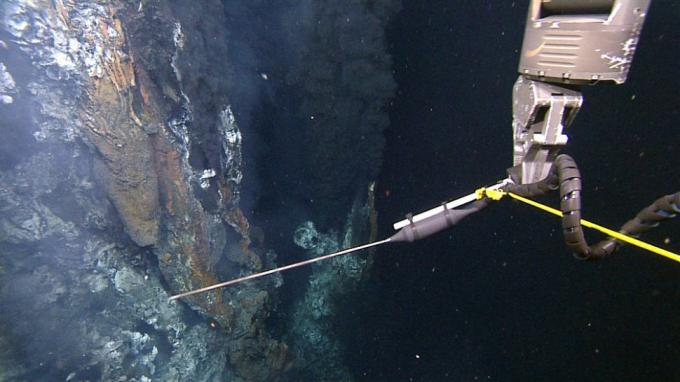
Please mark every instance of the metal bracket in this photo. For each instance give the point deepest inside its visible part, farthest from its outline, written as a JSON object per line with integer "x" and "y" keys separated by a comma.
{"x": 541, "y": 112}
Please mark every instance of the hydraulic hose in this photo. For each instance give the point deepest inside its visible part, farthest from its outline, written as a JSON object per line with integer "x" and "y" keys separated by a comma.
{"x": 566, "y": 176}
{"x": 664, "y": 208}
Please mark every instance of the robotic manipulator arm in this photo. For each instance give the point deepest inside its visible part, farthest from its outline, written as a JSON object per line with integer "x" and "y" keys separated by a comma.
{"x": 567, "y": 44}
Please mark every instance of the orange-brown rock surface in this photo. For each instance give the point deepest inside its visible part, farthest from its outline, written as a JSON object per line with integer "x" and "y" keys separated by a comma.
{"x": 124, "y": 164}
{"x": 143, "y": 166}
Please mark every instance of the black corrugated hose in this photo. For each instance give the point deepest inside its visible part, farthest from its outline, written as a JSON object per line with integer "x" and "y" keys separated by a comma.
{"x": 566, "y": 176}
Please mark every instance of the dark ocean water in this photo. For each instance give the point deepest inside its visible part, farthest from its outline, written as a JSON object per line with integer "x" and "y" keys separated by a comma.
{"x": 500, "y": 297}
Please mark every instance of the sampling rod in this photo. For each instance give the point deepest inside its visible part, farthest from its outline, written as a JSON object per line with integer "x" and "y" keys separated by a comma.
{"x": 280, "y": 269}
{"x": 414, "y": 230}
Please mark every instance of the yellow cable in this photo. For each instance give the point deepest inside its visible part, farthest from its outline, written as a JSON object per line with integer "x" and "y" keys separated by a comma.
{"x": 498, "y": 194}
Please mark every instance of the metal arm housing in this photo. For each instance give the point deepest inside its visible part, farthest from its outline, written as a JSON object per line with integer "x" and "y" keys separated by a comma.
{"x": 566, "y": 43}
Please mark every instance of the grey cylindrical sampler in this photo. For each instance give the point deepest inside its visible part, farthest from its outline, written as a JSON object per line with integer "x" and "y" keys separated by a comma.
{"x": 437, "y": 223}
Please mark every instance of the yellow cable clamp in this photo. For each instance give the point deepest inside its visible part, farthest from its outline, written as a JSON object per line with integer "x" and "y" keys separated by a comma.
{"x": 498, "y": 194}
{"x": 489, "y": 193}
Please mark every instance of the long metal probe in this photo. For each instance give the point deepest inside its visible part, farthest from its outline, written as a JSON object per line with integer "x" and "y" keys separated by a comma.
{"x": 279, "y": 269}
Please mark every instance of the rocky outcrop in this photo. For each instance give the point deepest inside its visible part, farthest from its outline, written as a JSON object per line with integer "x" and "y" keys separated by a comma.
{"x": 119, "y": 152}
{"x": 85, "y": 48}
{"x": 312, "y": 333}
{"x": 130, "y": 132}
{"x": 76, "y": 300}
